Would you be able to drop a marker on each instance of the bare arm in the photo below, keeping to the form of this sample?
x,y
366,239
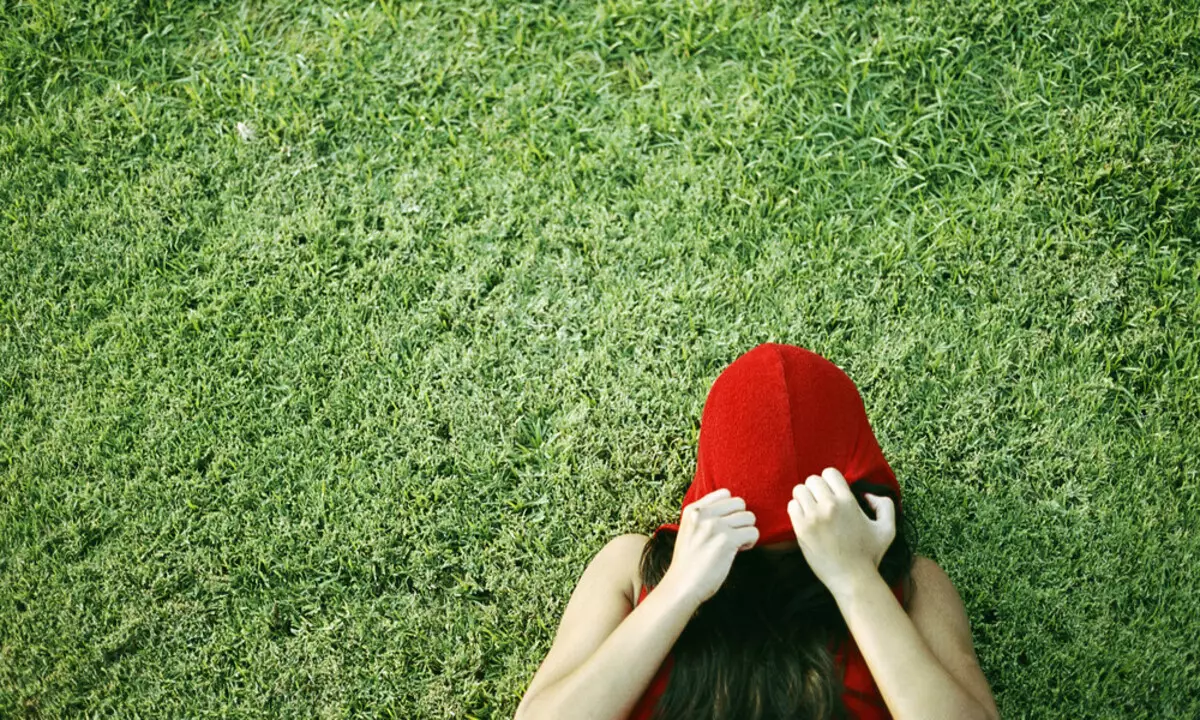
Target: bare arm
x,y
604,656
925,666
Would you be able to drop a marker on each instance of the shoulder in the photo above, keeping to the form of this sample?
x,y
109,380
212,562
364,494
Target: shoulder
x,y
602,598
930,586
937,612
620,560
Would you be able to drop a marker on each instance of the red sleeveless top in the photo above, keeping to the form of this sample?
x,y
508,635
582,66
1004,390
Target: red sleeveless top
x,y
860,696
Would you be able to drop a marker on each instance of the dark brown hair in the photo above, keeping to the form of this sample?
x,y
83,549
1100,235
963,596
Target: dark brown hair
x,y
762,647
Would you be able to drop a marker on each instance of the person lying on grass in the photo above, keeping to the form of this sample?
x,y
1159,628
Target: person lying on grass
x,y
788,588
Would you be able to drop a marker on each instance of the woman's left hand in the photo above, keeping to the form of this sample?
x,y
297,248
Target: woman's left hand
x,y
838,540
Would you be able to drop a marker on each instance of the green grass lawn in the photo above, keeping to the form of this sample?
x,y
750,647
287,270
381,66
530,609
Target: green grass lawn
x,y
336,339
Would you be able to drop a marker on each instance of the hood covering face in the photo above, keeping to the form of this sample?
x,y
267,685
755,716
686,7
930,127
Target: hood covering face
x,y
776,415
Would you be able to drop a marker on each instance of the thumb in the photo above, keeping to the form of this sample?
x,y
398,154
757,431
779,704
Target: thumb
x,y
885,511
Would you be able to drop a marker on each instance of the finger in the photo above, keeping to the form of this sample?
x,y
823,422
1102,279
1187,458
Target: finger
x,y
720,508
712,497
804,499
885,510
745,518
837,483
819,489
746,537
795,513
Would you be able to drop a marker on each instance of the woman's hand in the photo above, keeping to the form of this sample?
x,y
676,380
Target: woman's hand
x,y
840,543
712,531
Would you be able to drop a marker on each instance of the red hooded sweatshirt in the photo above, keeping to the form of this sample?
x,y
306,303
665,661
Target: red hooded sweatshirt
x,y
776,415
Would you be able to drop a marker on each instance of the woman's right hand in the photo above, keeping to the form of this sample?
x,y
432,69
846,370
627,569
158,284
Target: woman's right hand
x,y
711,533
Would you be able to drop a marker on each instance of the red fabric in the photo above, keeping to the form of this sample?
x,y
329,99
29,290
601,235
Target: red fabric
x,y
776,415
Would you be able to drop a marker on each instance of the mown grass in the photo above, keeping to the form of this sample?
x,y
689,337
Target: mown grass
x,y
324,416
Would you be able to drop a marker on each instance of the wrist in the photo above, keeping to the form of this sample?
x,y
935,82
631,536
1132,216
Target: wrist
x,y
854,582
677,594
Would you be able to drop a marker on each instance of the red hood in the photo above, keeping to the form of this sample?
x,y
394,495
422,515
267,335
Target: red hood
x,y
776,415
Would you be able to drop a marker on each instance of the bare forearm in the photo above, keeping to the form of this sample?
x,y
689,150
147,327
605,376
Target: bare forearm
x,y
610,682
913,683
